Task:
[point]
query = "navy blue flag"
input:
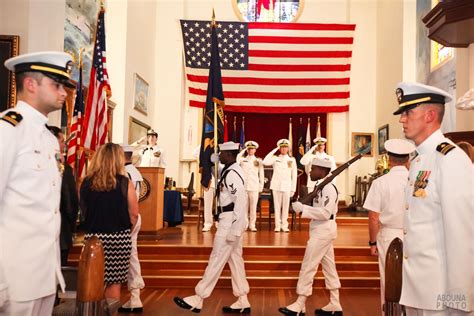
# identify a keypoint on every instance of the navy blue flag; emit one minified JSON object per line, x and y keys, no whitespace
{"x":214,"y":95}
{"x":301,"y":146}
{"x":242,"y":134}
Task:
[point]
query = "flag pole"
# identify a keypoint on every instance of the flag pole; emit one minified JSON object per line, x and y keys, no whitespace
{"x":216,"y":136}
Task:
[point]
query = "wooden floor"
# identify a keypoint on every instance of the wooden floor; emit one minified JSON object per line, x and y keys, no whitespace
{"x":265,"y":302}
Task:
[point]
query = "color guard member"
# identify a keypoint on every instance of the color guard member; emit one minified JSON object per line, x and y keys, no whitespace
{"x":318,"y":150}
{"x":227,"y":247}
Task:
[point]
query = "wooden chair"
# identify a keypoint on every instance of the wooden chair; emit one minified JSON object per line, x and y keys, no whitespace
{"x":393,"y":278}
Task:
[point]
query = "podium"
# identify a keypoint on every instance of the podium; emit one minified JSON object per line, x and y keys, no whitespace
{"x":151,"y":199}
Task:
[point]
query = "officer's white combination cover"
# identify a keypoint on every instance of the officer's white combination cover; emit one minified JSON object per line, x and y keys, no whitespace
{"x":283,"y":143}
{"x":320,"y":140}
{"x":251,"y":144}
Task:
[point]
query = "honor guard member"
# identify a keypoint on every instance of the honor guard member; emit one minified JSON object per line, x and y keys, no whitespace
{"x":319,"y":249}
{"x":135,"y":280}
{"x":283,"y":183}
{"x":227,"y":247}
{"x":253,"y":176}
{"x":386,"y":203}
{"x":438,"y":225}
{"x":30,"y":186}
{"x":152,"y":155}
{"x":316,"y":151}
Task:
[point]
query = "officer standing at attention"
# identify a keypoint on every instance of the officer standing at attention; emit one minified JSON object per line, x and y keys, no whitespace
{"x":134,"y":277}
{"x":319,"y":249}
{"x":283,"y":183}
{"x":253,"y":176}
{"x":30,"y":186}
{"x":386,"y":203}
{"x":227,"y":247}
{"x":318,"y":150}
{"x":438,"y":226}
{"x":152,"y":155}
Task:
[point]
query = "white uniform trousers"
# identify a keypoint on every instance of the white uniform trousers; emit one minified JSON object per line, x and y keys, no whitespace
{"x":446,"y":312}
{"x":281,"y":205}
{"x":208,"y":203}
{"x":384,"y":238}
{"x":223,"y":252}
{"x":39,"y":307}
{"x":134,"y":277}
{"x":317,"y":251}
{"x":253,"y":201}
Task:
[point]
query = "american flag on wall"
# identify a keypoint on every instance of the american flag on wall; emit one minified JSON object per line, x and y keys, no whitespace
{"x":94,"y":129}
{"x":272,"y":67}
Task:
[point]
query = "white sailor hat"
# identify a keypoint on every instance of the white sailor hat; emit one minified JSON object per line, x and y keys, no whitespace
{"x":399,"y":147}
{"x":229,"y":146}
{"x":320,"y":140}
{"x":127,"y":148}
{"x":55,"y":65}
{"x":411,"y":94}
{"x":251,"y":144}
{"x":283,"y":143}
{"x":151,"y":131}
{"x":322,"y":162}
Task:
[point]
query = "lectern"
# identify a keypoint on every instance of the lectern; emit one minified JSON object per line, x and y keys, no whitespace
{"x":151,"y":199}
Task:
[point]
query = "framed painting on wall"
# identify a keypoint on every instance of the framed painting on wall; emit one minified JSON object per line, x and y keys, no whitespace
{"x":140,"y":98}
{"x":382,"y":137}
{"x":9,"y":47}
{"x":361,"y":142}
{"x":136,"y":130}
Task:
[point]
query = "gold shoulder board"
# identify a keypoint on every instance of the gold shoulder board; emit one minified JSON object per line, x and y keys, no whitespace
{"x":445,"y":148}
{"x":12,"y":118}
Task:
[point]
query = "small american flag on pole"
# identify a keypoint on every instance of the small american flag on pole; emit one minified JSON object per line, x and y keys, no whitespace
{"x":94,"y":131}
{"x":272,"y":67}
{"x":76,"y":123}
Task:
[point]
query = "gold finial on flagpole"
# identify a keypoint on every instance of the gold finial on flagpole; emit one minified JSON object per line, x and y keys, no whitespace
{"x":213,"y":22}
{"x":318,"y":130}
{"x":102,"y":4}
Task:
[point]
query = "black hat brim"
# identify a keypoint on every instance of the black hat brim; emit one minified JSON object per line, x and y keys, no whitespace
{"x":405,"y":108}
{"x":60,"y":79}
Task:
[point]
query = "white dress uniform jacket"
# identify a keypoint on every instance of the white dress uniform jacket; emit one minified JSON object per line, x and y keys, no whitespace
{"x":284,"y":171}
{"x":308,"y":158}
{"x":319,"y":249}
{"x":30,"y":190}
{"x":387,"y":197}
{"x":253,"y":172}
{"x":149,"y":157}
{"x":438,"y":246}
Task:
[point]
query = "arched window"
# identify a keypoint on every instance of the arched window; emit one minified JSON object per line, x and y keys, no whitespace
{"x":268,"y":10}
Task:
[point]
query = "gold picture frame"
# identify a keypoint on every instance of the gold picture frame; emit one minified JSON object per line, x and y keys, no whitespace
{"x":360,"y":141}
{"x":9,"y":47}
{"x":136,"y":129}
{"x":140,"y":97}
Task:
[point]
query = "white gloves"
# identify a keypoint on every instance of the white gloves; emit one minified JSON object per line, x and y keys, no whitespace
{"x":231,"y":238}
{"x":297,"y":207}
{"x":214,"y":157}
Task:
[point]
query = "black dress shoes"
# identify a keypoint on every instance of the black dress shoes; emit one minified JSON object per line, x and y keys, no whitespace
{"x":320,"y":312}
{"x":286,"y":311}
{"x":228,"y":310}
{"x":131,"y":310}
{"x":181,"y":303}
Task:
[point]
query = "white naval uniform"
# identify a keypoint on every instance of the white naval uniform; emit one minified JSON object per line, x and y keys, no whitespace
{"x":438,"y":244}
{"x":208,"y":196}
{"x":254,"y":181}
{"x":306,"y":161}
{"x":148,"y":158}
{"x":134,"y":277}
{"x":30,"y":190}
{"x":387,"y":198}
{"x":319,"y":249}
{"x":282,"y":184}
{"x":231,"y":226}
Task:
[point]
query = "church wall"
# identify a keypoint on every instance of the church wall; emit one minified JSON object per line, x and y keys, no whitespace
{"x":464,"y":82}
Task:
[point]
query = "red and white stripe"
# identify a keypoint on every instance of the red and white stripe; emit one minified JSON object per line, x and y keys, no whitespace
{"x":293,"y":68}
{"x":74,"y":142}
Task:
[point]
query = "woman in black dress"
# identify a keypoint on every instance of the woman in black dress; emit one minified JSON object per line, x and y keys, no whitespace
{"x":110,"y":205}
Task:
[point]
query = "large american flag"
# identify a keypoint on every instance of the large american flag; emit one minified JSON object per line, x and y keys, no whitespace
{"x":94,"y":131}
{"x":272,"y":67}
{"x":76,"y":124}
